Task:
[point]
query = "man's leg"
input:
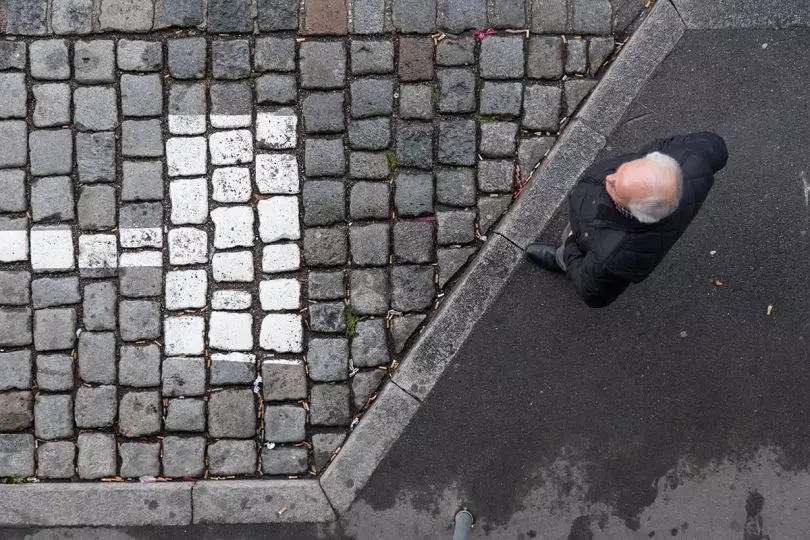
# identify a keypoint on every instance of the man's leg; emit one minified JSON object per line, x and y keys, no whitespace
{"x":548,"y":257}
{"x":559,"y":253}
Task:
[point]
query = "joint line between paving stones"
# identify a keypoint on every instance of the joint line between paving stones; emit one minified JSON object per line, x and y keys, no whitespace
{"x":395,"y":383}
{"x":677,"y":11}
{"x":509,"y":240}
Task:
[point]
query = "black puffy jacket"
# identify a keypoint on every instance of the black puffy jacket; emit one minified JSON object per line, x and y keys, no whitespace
{"x":608,"y":251}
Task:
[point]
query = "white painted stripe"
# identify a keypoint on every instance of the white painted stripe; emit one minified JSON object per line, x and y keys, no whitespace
{"x":135,"y":259}
{"x":231,"y":120}
{"x":52,"y":249}
{"x":233,"y":357}
{"x":283,"y":361}
{"x":13,"y":246}
{"x":98,"y":251}
{"x":186,"y":124}
{"x":139,"y":237}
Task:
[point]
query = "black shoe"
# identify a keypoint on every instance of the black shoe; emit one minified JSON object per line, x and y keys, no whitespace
{"x":544,"y":256}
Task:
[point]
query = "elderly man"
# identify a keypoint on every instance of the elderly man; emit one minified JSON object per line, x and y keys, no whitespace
{"x":627,"y":212}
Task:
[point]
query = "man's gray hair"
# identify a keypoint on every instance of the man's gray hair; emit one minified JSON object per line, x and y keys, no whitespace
{"x":655,"y":208}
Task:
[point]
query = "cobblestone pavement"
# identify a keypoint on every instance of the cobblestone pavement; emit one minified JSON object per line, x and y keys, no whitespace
{"x":218,"y":236}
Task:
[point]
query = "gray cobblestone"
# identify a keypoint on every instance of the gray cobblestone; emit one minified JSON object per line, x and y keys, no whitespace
{"x":415,"y":145}
{"x":328,"y":359}
{"x":141,"y":138}
{"x":489,"y":210}
{"x":369,"y":291}
{"x":541,"y":105}
{"x":575,"y":92}
{"x":49,"y":59}
{"x":501,"y":57}
{"x":14,"y":143}
{"x":142,"y":181}
{"x":141,"y":95}
{"x":531,"y":151}
{"x":96,"y":207}
{"x":139,"y":366}
{"x":416,"y":102}
{"x":599,"y":49}
{"x":370,"y":343}
{"x":324,"y":157}
{"x":323,"y":202}
{"x":51,"y":104}
{"x":414,"y":16}
{"x":183,"y":377}
{"x":232,"y":413}
{"x":549,"y":16}
{"x":284,"y":461}
{"x":140,"y":459}
{"x":179,"y":13}
{"x":576,"y":61}
{"x":372,"y":97}
{"x":12,"y":85}
{"x":51,"y":152}
{"x":323,"y":112}
{"x":326,"y":285}
{"x":232,"y":457}
{"x":456,"y":187}
{"x":56,"y":459}
{"x":185,"y":415}
{"x":97,"y":456}
{"x":456,"y":90}
{"x":322,"y":64}
{"x":94,"y":61}
{"x":372,"y":57}
{"x":139,"y":319}
{"x":372,"y":165}
{"x":54,"y":329}
{"x":139,"y":414}
{"x":413,"y":194}
{"x":369,"y":243}
{"x":456,"y":52}
{"x":450,"y":262}
{"x":364,"y":384}
{"x":229,"y":16}
{"x":329,"y":405}
{"x":230,"y":369}
{"x":369,"y":200}
{"x":496,"y":176}
{"x":415,"y":57}
{"x":126,"y":16}
{"x":99,"y":311}
{"x":327,"y":317}
{"x":95,"y":155}
{"x":545,"y":57}
{"x":16,"y":413}
{"x":230,"y":59}
{"x":13,"y":54}
{"x":72,"y":16}
{"x":137,"y":282}
{"x":187,"y":58}
{"x":414,"y":241}
{"x":460,"y":15}
{"x":508,"y":14}
{"x":274,"y":54}
{"x":54,"y":372}
{"x":283,"y":380}
{"x":278,"y":15}
{"x":95,"y":407}
{"x":402,"y":328}
{"x":412,"y":287}
{"x":325,"y":246}
{"x":455,"y":227}
{"x":324,"y":444}
{"x":15,"y":370}
{"x":14,"y":287}
{"x":590,"y":16}
{"x":501,"y":98}
{"x":26,"y":18}
{"x":276,"y":88}
{"x":183,"y":456}
{"x":95,"y":108}
{"x":457,"y":142}
{"x":16,"y":455}
{"x":370,"y":134}
{"x":498,"y":139}
{"x":97,"y":357}
{"x":53,"y":416}
{"x":284,"y":423}
{"x":137,"y":55}
{"x":368,"y":16}
{"x":12,"y":185}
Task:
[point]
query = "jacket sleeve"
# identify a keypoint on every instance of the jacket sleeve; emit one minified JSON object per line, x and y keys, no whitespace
{"x":711,"y":147}
{"x":593,"y":283}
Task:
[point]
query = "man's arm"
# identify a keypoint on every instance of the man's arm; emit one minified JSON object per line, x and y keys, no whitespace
{"x":711,"y":147}
{"x":593,"y":283}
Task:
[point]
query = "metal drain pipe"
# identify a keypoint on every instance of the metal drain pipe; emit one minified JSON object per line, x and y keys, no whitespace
{"x":463,"y":525}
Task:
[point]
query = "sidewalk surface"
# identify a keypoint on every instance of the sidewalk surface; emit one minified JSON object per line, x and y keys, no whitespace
{"x":681,"y":410}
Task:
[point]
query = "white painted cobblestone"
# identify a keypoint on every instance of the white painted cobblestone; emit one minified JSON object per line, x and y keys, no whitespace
{"x":230,"y":331}
{"x":231,"y":147}
{"x":52,"y":249}
{"x":188,"y":245}
{"x":186,"y":124}
{"x":277,"y":174}
{"x":281,"y":258}
{"x":233,"y":266}
{"x":231,"y":184}
{"x":280,"y":294}
{"x":186,"y":156}
{"x":14,"y":246}
{"x":189,"y":198}
{"x":282,"y":332}
{"x":140,"y":237}
{"x":278,"y":219}
{"x":186,"y":289}
{"x":276,"y":130}
{"x":98,"y":251}
{"x":228,"y":300}
{"x":134,"y":259}
{"x":184,"y":335}
{"x":233,"y":226}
